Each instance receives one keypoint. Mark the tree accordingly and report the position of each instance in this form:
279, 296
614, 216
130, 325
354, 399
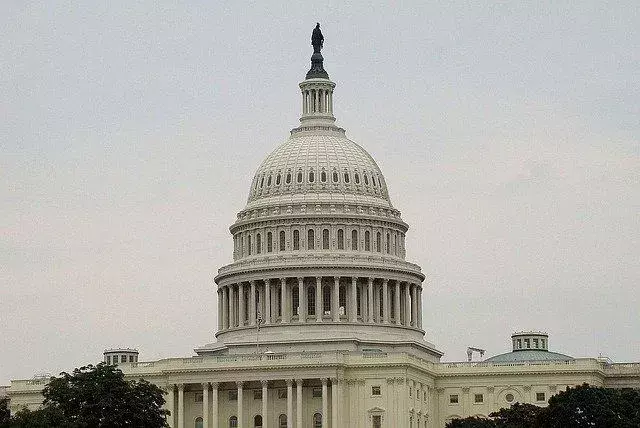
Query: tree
97, 397
585, 406
517, 416
471, 422
5, 413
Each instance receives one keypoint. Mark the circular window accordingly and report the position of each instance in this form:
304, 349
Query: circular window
509, 397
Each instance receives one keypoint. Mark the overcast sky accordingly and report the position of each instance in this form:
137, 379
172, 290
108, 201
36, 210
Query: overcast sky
509, 136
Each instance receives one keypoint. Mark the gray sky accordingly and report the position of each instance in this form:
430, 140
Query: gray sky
509, 136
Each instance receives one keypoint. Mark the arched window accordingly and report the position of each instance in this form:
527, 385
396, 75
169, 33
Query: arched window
357, 178
346, 177
257, 421
373, 180
395, 245
387, 243
199, 422
380, 299
288, 179
311, 177
378, 242
366, 179
233, 422
269, 242
299, 176
325, 239
367, 241
262, 182
335, 176
282, 240
392, 303
255, 186
359, 300
323, 176
249, 244
269, 181
311, 300
296, 239
295, 301
340, 239
241, 246
342, 299
258, 243
282, 421
311, 240
278, 180
326, 299
317, 420
354, 240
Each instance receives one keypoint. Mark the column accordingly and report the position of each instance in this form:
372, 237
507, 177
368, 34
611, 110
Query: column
181, 405
170, 404
334, 403
397, 303
419, 306
283, 300
240, 407
299, 403
407, 304
267, 301
289, 403
385, 301
335, 311
414, 305
353, 306
302, 306
205, 405
317, 95
319, 305
376, 304
252, 303
225, 308
241, 308
232, 306
265, 409
325, 403
220, 308
214, 405
370, 299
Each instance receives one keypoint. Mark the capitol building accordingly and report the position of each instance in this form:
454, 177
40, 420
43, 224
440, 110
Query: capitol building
320, 311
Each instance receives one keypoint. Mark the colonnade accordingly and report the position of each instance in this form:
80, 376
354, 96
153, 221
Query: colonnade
211, 413
319, 299
317, 101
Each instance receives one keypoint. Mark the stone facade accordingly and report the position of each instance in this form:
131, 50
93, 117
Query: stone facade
320, 313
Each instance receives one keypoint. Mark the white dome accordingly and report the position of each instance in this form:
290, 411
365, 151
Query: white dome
319, 167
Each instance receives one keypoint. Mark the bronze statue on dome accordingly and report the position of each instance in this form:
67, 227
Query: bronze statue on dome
317, 39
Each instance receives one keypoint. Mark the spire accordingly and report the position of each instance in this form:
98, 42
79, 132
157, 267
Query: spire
317, 70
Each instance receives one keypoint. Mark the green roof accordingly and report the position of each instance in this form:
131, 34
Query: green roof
528, 355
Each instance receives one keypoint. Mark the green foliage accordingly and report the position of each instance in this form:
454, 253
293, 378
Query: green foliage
582, 406
5, 413
96, 397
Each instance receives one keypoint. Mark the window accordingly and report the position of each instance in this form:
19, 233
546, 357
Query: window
425, 396
357, 178
316, 393
373, 181
340, 239
323, 176
288, 179
311, 239
295, 301
377, 421
257, 394
367, 241
282, 393
478, 398
395, 245
326, 299
282, 240
296, 239
543, 344
346, 177
325, 239
387, 243
299, 176
123, 358
342, 299
198, 423
233, 422
269, 181
354, 240
233, 395
249, 245
131, 358
410, 392
282, 421
262, 182
311, 177
278, 180
198, 397
535, 343
378, 242
509, 397
335, 176
109, 359
519, 344
257, 421
527, 344
269, 242
366, 179
540, 396
258, 243
453, 399
359, 301
311, 300
317, 420
376, 390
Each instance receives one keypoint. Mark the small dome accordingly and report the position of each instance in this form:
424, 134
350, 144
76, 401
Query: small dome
319, 167
528, 355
